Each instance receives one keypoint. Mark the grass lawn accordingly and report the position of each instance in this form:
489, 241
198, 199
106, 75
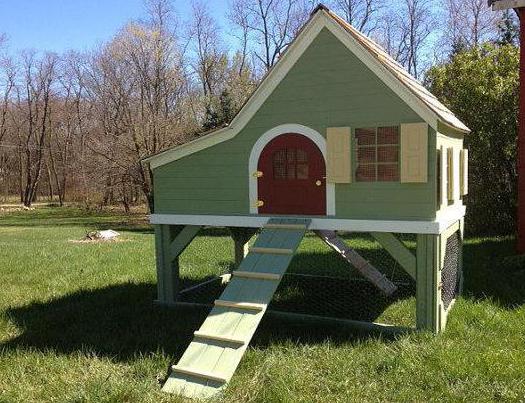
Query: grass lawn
77, 324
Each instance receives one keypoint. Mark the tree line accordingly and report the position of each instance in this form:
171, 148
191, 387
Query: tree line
75, 126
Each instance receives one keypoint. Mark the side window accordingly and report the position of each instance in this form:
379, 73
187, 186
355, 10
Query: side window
377, 154
290, 163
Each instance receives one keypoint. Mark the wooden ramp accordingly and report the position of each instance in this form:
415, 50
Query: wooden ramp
218, 346
355, 259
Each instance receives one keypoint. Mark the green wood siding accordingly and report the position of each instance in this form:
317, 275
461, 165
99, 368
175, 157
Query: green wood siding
327, 87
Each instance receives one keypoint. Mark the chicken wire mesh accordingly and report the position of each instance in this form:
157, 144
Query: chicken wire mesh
450, 274
319, 282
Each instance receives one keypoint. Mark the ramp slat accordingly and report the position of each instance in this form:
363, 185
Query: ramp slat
226, 339
256, 275
205, 375
285, 226
272, 251
221, 341
240, 305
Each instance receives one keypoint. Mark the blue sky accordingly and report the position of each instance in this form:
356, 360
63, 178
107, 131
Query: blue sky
59, 25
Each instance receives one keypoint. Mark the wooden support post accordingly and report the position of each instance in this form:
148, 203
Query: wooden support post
430, 312
170, 242
427, 283
240, 237
398, 251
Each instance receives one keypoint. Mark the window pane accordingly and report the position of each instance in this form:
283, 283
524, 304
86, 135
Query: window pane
365, 137
388, 154
290, 171
366, 155
290, 153
302, 156
279, 164
279, 156
366, 173
388, 135
302, 171
388, 173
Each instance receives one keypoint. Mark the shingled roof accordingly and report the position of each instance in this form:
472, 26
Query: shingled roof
399, 72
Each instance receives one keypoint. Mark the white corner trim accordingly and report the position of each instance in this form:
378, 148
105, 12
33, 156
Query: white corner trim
450, 215
255, 221
276, 75
268, 136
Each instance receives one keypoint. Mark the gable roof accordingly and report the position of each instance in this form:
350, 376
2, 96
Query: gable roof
410, 90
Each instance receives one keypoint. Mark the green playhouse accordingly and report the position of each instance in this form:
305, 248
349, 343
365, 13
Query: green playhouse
337, 138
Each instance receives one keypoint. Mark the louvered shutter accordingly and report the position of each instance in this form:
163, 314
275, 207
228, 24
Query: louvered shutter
444, 176
339, 158
414, 153
464, 172
450, 174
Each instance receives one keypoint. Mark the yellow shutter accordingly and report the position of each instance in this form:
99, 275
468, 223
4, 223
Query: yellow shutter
464, 172
450, 174
339, 167
444, 176
414, 153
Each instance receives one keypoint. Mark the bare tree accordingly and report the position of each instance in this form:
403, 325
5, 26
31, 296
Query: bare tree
269, 24
405, 31
66, 127
362, 14
137, 85
34, 103
7, 83
469, 22
204, 35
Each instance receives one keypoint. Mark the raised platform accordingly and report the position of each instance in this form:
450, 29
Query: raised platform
437, 226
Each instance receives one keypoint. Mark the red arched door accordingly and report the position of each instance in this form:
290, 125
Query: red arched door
293, 177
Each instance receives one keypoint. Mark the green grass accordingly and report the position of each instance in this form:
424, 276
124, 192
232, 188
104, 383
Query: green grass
77, 324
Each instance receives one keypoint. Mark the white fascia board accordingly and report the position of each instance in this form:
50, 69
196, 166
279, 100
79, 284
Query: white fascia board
258, 221
506, 4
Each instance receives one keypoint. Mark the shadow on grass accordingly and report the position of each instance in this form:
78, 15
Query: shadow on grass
121, 321
493, 271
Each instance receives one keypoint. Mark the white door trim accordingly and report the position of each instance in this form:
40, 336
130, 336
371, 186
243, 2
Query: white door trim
258, 147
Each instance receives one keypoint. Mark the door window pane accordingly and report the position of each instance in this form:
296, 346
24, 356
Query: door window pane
290, 163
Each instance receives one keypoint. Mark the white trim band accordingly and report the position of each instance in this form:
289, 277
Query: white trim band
318, 223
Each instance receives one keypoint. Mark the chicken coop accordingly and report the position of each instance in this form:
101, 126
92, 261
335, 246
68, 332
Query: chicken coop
337, 140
